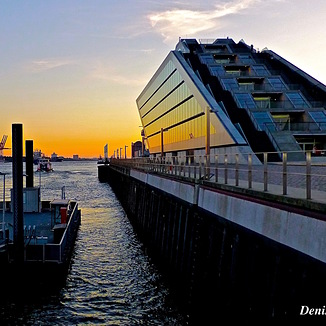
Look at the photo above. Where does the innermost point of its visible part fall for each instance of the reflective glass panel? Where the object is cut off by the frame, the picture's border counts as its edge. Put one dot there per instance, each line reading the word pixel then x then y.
pixel 297 100
pixel 245 100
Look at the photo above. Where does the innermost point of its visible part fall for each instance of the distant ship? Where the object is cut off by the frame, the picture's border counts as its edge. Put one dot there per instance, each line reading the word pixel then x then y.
pixel 37 154
pixel 103 160
pixel 56 158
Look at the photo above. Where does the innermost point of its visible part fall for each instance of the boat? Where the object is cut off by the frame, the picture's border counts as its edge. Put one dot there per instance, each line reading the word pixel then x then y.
pixel 103 160
pixel 37 154
pixel 56 158
pixel 44 165
pixel 50 230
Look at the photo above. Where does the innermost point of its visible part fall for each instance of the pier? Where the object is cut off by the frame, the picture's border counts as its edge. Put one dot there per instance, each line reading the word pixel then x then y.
pixel 242 240
pixel 37 236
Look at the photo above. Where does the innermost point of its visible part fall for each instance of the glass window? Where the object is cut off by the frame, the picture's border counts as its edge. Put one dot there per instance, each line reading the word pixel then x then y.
pixel 156 83
pixel 297 100
pixel 249 87
pixel 277 83
pixel 263 102
pixel 246 59
pixel 175 116
pixel 173 83
pixel 264 120
pixel 206 59
pixel 245 100
pixel 217 70
pixel 222 60
pixel 320 118
pixel 260 70
pixel 230 84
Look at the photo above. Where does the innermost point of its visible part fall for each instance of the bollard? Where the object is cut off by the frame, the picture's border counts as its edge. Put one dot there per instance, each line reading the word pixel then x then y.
pixel 308 175
pixel 17 183
pixel 237 169
pixel 226 168
pixel 284 158
pixel 216 168
pixel 29 164
pixel 249 171
pixel 265 171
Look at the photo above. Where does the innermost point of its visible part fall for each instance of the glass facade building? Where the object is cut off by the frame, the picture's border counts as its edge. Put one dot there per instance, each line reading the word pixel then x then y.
pixel 173 109
pixel 241 99
pixel 169 104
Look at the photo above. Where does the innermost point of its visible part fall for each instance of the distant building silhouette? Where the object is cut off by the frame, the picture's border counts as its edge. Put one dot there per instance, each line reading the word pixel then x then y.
pixel 136 150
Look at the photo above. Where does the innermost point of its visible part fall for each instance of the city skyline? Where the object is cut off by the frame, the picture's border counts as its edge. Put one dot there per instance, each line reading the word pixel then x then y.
pixel 71 71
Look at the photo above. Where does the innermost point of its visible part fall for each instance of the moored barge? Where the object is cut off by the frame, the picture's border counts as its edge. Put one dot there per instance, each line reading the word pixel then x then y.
pixel 49 237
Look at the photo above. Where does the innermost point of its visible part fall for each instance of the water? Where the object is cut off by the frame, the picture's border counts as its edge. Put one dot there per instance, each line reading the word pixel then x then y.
pixel 111 281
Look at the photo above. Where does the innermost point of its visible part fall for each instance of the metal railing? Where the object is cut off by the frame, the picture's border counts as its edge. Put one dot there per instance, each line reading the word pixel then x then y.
pixel 304 180
pixel 296 126
pixel 51 252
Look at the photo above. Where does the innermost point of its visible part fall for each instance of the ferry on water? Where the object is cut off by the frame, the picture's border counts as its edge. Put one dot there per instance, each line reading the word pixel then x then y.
pixel 44 165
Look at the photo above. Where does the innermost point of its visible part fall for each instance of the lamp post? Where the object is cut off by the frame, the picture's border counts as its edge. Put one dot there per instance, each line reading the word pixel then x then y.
pixel 163 130
pixel 40 181
pixel 208 132
pixel 126 151
pixel 142 133
pixel 162 143
pixel 3 203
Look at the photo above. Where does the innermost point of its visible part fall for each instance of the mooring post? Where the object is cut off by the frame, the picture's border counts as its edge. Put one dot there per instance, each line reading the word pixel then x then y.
pixel 225 168
pixel 284 161
pixel 17 183
pixel 308 175
pixel 265 171
pixel 237 169
pixel 216 168
pixel 249 171
pixel 29 164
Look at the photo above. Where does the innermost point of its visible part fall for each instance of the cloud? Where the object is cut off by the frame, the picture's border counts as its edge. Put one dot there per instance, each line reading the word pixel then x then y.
pixel 190 22
pixel 48 64
pixel 107 73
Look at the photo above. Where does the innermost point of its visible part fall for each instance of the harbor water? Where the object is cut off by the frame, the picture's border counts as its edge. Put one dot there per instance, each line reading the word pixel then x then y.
pixel 111 280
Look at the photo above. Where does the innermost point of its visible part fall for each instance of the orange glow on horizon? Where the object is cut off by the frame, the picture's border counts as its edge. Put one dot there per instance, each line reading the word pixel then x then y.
pixel 68 144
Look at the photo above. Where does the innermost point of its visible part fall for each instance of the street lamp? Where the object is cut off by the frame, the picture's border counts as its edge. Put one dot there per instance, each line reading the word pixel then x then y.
pixel 162 142
pixel 3 203
pixel 126 151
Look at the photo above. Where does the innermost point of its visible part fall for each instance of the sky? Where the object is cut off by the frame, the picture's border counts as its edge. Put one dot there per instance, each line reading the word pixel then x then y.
pixel 71 70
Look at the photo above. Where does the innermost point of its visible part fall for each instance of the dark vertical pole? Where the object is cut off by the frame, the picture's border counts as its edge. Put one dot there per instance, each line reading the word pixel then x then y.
pixel 162 143
pixel 17 182
pixel 29 164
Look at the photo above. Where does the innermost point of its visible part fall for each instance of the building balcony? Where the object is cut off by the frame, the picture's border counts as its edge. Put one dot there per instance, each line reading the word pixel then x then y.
pixel 296 127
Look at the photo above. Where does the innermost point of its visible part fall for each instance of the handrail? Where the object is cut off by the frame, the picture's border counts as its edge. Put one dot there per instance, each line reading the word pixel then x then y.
pixel 303 180
pixel 296 126
pixel 55 252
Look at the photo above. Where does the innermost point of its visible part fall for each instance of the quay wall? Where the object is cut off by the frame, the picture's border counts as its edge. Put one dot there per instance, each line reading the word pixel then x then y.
pixel 227 254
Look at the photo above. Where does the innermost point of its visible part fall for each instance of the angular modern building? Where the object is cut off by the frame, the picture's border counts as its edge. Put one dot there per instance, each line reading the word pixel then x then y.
pixel 226 97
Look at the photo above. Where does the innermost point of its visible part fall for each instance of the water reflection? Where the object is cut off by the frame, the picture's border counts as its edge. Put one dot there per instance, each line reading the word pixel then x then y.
pixel 110 281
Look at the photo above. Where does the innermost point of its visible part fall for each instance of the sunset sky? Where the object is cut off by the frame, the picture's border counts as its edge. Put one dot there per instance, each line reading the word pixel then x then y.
pixel 71 70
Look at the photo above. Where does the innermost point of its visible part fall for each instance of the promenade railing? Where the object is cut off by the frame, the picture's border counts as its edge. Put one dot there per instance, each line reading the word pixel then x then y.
pixel 53 252
pixel 303 179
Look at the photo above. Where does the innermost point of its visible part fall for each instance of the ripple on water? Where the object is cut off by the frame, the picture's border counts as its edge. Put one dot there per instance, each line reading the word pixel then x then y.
pixel 111 281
